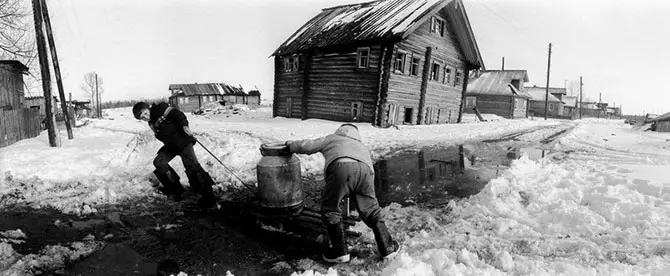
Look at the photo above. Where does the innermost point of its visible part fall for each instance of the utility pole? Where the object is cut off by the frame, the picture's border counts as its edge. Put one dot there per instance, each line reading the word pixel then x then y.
pixel 46 75
pixel 546 96
pixel 503 64
pixel 54 57
pixel 97 97
pixel 580 97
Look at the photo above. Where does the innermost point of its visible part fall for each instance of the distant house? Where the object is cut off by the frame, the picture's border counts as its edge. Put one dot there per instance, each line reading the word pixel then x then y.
pixel 592 109
pixel 385 62
pixel 537 102
pixel 498 92
pixel 662 122
pixel 81 108
pixel 191 97
pixel 254 98
pixel 570 104
pixel 38 103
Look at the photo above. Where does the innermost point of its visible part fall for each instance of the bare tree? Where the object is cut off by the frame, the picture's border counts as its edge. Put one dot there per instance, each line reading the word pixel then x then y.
pixel 17 40
pixel 89 87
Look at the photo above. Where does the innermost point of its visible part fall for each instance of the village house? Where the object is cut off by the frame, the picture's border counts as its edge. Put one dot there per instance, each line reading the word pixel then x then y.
pixel 16 121
pixel 382 62
pixel 498 92
pixel 537 103
pixel 191 97
pixel 253 98
pixel 591 109
pixel 662 122
pixel 570 104
pixel 38 102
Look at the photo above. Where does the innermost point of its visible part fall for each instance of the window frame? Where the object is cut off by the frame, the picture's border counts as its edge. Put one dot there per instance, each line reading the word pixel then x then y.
pixel 405 116
pixel 448 72
pixel 435 64
pixel 469 99
pixel 458 77
pixel 359 57
pixel 403 63
pixel 356 107
pixel 438 28
pixel 412 71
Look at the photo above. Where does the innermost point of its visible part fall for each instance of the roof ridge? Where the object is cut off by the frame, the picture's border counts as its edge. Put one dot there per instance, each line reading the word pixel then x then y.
pixel 350 5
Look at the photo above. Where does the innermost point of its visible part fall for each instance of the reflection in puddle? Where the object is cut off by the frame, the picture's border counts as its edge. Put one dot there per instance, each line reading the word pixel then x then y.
pixel 439 174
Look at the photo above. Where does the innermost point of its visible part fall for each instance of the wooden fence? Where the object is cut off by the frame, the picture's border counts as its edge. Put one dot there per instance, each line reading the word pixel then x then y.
pixel 18 124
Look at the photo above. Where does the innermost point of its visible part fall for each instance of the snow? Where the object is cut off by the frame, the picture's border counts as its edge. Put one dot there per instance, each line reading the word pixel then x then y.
pixel 597 204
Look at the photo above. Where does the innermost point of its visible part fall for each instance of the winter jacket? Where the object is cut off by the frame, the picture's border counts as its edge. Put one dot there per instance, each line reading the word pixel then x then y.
pixel 345 142
pixel 168 124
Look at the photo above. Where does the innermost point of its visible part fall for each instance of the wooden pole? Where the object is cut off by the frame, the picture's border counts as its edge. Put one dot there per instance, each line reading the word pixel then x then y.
pixel 580 97
pixel 46 75
pixel 424 84
pixel 466 79
pixel 54 58
pixel 503 64
pixel 97 97
pixel 546 96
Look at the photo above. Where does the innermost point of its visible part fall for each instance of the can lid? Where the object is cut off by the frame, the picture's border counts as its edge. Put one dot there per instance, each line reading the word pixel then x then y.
pixel 275 149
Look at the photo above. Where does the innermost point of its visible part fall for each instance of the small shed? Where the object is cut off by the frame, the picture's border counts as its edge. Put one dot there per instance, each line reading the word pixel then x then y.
pixel 11 78
pixel 662 122
pixel 537 102
pixel 254 98
pixel 570 107
pixel 38 103
pixel 498 92
pixel 16 121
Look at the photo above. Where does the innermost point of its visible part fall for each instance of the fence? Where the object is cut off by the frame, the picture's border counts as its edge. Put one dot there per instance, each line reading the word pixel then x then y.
pixel 18 124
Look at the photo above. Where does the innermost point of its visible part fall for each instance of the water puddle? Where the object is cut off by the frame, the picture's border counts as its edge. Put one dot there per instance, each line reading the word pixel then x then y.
pixel 435 174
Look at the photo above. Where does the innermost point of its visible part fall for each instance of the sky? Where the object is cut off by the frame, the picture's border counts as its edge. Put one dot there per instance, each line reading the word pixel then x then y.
pixel 140 47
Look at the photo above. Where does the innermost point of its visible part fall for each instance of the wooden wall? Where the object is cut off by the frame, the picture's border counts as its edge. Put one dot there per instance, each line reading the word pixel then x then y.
pixel 11 87
pixel 494 104
pixel 18 124
pixel 536 108
pixel 288 90
pixel 443 99
pixel 663 126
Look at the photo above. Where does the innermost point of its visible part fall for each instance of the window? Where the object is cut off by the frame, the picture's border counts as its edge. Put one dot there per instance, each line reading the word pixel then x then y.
pixel 399 62
pixel 408 115
pixel 552 107
pixel 356 110
pixel 458 78
pixel 437 26
pixel 447 75
pixel 435 71
pixel 414 69
pixel 471 101
pixel 363 57
pixel 291 64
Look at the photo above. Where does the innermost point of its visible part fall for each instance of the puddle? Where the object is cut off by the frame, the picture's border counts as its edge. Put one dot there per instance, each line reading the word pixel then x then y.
pixel 439 174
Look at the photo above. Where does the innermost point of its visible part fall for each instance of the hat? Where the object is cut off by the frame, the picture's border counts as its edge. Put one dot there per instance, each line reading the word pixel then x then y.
pixel 138 108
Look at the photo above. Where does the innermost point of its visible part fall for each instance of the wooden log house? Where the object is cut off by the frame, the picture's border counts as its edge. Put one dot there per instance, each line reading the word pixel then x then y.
pixel 537 102
pixel 499 92
pixel 385 62
pixel 191 97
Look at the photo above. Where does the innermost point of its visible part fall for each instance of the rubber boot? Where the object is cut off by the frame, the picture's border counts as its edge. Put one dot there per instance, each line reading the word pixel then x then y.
pixel 205 183
pixel 337 252
pixel 170 181
pixel 385 243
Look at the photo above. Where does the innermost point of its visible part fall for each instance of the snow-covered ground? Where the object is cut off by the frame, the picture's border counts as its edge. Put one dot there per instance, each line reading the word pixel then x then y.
pixel 598 204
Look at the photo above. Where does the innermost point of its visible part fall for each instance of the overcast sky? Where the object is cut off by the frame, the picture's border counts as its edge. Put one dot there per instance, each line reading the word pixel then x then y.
pixel 621 48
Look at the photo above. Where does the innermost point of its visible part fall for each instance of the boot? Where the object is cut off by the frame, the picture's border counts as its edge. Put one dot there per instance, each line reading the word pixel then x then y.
pixel 170 181
pixel 385 243
pixel 205 183
pixel 337 252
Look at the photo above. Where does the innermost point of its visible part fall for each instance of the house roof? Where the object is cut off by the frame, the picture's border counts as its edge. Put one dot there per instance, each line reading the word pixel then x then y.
pixel 254 93
pixel 664 117
pixel 497 82
pixel 380 20
pixel 570 100
pixel 15 63
pixel 538 93
pixel 552 90
pixel 202 89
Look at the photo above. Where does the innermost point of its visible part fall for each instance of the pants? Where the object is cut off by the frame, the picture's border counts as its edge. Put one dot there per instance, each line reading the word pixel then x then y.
pixel 188 158
pixel 355 179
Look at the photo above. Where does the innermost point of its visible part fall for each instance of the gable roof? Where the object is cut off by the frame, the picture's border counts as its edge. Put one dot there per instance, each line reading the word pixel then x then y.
pixel 552 90
pixel 17 64
pixel 497 82
pixel 539 93
pixel 202 89
pixel 664 117
pixel 570 100
pixel 380 20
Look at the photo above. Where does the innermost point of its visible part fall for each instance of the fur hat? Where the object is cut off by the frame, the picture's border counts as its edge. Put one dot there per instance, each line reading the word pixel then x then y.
pixel 138 108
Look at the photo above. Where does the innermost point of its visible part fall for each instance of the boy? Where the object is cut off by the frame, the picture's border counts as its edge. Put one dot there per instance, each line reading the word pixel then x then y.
pixel 348 171
pixel 170 126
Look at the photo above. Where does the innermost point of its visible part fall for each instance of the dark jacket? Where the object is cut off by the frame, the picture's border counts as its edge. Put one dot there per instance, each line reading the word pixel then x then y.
pixel 169 127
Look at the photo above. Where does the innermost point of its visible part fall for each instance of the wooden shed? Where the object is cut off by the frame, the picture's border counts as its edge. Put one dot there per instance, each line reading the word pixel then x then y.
pixel 385 62
pixel 498 92
pixel 254 98
pixel 536 105
pixel 191 97
pixel 662 122
pixel 570 107
pixel 16 121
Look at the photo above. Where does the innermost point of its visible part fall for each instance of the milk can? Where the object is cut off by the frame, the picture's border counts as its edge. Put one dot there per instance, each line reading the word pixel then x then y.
pixel 279 181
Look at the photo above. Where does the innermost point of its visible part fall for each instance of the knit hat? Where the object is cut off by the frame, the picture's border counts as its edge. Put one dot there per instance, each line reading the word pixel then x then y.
pixel 348 130
pixel 138 108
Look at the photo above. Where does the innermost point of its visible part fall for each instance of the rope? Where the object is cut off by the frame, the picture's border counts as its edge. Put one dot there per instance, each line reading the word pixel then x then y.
pixel 229 170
